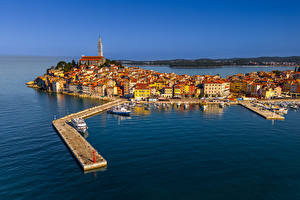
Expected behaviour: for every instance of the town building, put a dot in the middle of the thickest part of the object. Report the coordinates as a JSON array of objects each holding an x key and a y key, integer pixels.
[
  {"x": 216, "y": 88},
  {"x": 141, "y": 92},
  {"x": 167, "y": 92},
  {"x": 94, "y": 60}
]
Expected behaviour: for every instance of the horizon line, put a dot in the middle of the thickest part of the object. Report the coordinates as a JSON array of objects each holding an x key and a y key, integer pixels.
[{"x": 72, "y": 56}]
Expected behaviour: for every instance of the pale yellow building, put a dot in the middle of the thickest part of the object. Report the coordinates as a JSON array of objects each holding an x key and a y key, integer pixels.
[{"x": 216, "y": 88}]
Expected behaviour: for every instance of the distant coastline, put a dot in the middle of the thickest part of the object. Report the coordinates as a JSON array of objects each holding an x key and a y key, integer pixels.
[{"x": 291, "y": 61}]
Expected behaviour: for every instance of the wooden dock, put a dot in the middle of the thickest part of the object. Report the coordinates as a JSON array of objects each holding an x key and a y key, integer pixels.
[
  {"x": 264, "y": 113},
  {"x": 77, "y": 144}
]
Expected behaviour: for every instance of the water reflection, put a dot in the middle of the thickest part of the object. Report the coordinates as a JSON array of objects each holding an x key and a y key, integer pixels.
[
  {"x": 213, "y": 109},
  {"x": 142, "y": 110},
  {"x": 122, "y": 118},
  {"x": 85, "y": 134},
  {"x": 94, "y": 171},
  {"x": 209, "y": 109},
  {"x": 60, "y": 100},
  {"x": 146, "y": 109}
]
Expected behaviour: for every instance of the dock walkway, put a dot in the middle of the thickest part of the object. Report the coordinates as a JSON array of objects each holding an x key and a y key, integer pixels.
[
  {"x": 80, "y": 148},
  {"x": 264, "y": 113}
]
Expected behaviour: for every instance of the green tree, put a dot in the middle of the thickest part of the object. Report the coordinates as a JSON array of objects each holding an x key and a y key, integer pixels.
[
  {"x": 64, "y": 66},
  {"x": 277, "y": 72},
  {"x": 61, "y": 65},
  {"x": 74, "y": 64}
]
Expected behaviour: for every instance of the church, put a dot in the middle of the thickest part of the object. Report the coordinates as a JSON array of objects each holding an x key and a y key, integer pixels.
[{"x": 94, "y": 60}]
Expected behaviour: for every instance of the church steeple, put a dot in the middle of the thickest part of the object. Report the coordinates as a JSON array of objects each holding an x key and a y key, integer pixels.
[{"x": 100, "y": 47}]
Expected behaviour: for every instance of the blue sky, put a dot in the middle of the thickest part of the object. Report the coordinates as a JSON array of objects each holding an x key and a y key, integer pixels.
[{"x": 145, "y": 30}]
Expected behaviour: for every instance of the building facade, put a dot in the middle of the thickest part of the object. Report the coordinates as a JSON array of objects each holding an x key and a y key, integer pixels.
[
  {"x": 94, "y": 60},
  {"x": 216, "y": 88}
]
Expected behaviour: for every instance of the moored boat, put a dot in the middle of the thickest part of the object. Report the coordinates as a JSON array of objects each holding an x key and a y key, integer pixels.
[
  {"x": 79, "y": 124},
  {"x": 119, "y": 110},
  {"x": 203, "y": 106}
]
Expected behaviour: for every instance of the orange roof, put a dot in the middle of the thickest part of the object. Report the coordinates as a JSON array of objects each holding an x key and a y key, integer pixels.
[
  {"x": 140, "y": 86},
  {"x": 91, "y": 58},
  {"x": 214, "y": 81}
]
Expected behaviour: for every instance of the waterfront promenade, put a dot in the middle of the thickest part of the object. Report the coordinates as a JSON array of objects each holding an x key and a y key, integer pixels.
[
  {"x": 187, "y": 101},
  {"x": 87, "y": 156},
  {"x": 205, "y": 101}
]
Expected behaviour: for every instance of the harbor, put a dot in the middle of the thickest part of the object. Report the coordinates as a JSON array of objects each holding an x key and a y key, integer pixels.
[
  {"x": 89, "y": 158},
  {"x": 269, "y": 109},
  {"x": 269, "y": 115},
  {"x": 86, "y": 155}
]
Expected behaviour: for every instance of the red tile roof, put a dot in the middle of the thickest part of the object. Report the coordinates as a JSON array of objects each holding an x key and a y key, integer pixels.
[{"x": 91, "y": 58}]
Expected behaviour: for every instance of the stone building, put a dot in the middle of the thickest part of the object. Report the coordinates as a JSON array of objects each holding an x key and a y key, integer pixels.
[
  {"x": 94, "y": 60},
  {"x": 216, "y": 88}
]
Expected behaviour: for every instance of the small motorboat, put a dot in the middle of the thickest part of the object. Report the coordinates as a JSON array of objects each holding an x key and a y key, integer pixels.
[{"x": 119, "y": 110}]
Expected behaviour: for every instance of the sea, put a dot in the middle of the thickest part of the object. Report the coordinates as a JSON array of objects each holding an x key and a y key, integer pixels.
[{"x": 163, "y": 153}]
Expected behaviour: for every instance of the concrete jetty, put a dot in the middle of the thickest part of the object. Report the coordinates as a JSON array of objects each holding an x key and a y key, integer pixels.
[
  {"x": 86, "y": 155},
  {"x": 264, "y": 113}
]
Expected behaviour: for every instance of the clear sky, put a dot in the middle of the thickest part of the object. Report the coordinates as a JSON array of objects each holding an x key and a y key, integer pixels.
[{"x": 145, "y": 30}]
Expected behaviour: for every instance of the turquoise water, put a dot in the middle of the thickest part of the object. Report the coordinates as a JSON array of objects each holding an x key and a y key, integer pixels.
[{"x": 173, "y": 153}]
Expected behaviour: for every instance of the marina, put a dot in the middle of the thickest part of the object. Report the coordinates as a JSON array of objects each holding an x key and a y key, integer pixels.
[
  {"x": 70, "y": 126},
  {"x": 270, "y": 109},
  {"x": 86, "y": 155},
  {"x": 269, "y": 115}
]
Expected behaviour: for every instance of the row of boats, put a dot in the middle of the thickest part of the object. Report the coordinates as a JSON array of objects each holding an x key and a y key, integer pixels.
[
  {"x": 125, "y": 110},
  {"x": 278, "y": 107}
]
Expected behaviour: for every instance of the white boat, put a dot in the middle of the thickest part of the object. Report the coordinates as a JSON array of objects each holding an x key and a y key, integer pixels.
[
  {"x": 222, "y": 104},
  {"x": 283, "y": 110},
  {"x": 79, "y": 124},
  {"x": 294, "y": 106},
  {"x": 119, "y": 110},
  {"x": 203, "y": 106}
]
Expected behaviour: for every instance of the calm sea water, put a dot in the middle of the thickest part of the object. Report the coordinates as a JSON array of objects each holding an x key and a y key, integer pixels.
[{"x": 170, "y": 153}]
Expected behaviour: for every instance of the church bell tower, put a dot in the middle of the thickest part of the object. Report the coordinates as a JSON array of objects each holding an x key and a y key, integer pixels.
[{"x": 100, "y": 47}]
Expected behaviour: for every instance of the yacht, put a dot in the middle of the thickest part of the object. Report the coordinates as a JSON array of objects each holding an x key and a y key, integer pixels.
[
  {"x": 119, "y": 110},
  {"x": 79, "y": 124}
]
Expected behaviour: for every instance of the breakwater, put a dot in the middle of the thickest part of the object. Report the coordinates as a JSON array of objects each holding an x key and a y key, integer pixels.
[
  {"x": 86, "y": 155},
  {"x": 264, "y": 113}
]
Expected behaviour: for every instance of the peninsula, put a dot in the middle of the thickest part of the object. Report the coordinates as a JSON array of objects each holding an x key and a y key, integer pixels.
[{"x": 98, "y": 77}]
